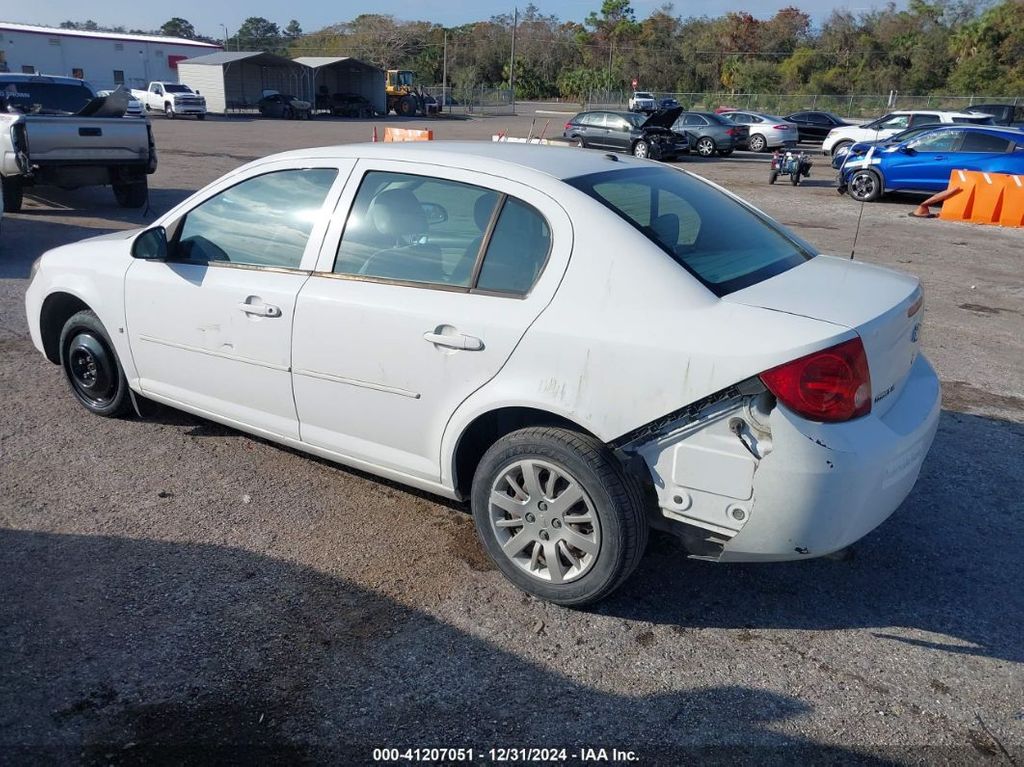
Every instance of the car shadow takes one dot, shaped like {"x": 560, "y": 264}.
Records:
{"x": 940, "y": 573}
{"x": 126, "y": 651}
{"x": 932, "y": 568}
{"x": 99, "y": 203}
{"x": 27, "y": 236}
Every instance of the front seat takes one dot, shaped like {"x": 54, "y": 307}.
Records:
{"x": 398, "y": 217}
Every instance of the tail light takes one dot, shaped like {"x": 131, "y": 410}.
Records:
{"x": 780, "y": 127}
{"x": 831, "y": 385}
{"x": 567, "y": 126}
{"x": 731, "y": 131}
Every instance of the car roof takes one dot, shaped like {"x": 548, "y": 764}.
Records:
{"x": 930, "y": 112}
{"x": 19, "y": 77}
{"x": 491, "y": 157}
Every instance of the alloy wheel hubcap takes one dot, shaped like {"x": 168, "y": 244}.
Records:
{"x": 640, "y": 150}
{"x": 863, "y": 185}
{"x": 705, "y": 147}
{"x": 544, "y": 521}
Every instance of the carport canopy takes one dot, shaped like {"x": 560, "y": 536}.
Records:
{"x": 327, "y": 75}
{"x": 237, "y": 79}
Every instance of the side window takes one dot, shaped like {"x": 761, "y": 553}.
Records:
{"x": 517, "y": 251}
{"x": 894, "y": 122}
{"x": 976, "y": 141}
{"x": 590, "y": 118}
{"x": 262, "y": 221}
{"x": 937, "y": 141}
{"x": 923, "y": 119}
{"x": 618, "y": 124}
{"x": 415, "y": 229}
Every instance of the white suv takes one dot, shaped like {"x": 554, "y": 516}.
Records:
{"x": 893, "y": 123}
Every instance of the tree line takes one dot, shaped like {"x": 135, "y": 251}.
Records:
{"x": 942, "y": 47}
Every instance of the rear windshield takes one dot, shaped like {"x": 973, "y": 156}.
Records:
{"x": 979, "y": 120}
{"x": 44, "y": 97}
{"x": 721, "y": 242}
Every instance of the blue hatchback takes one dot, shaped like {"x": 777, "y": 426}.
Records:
{"x": 923, "y": 163}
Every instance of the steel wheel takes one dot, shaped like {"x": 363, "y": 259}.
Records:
{"x": 641, "y": 149}
{"x": 865, "y": 186}
{"x": 544, "y": 521}
{"x": 757, "y": 143}
{"x": 706, "y": 147}
{"x": 91, "y": 369}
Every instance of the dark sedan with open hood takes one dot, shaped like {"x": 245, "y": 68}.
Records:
{"x": 641, "y": 135}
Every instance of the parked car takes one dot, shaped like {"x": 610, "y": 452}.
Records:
{"x": 924, "y": 163}
{"x": 1007, "y": 115}
{"x": 350, "y": 105}
{"x": 500, "y": 323}
{"x": 641, "y": 135}
{"x": 764, "y": 131}
{"x": 135, "y": 108}
{"x": 54, "y": 131}
{"x": 893, "y": 123}
{"x": 284, "y": 106}
{"x": 667, "y": 103}
{"x": 840, "y": 156}
{"x": 709, "y": 133}
{"x": 642, "y": 101}
{"x": 173, "y": 99}
{"x": 815, "y": 126}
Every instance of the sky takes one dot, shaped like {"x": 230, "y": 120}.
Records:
{"x": 208, "y": 17}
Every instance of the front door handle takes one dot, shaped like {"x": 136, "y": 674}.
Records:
{"x": 261, "y": 310}
{"x": 454, "y": 341}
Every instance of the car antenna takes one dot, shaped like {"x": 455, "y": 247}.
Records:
{"x": 860, "y": 215}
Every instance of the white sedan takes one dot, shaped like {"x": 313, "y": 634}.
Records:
{"x": 584, "y": 346}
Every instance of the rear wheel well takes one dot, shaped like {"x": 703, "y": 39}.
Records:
{"x": 57, "y": 310}
{"x": 488, "y": 428}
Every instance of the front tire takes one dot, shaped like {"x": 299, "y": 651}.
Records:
{"x": 558, "y": 514}
{"x": 865, "y": 186}
{"x": 642, "y": 150}
{"x": 706, "y": 146}
{"x": 201, "y": 117}
{"x": 13, "y": 189}
{"x": 757, "y": 143}
{"x": 92, "y": 368}
{"x": 840, "y": 145}
{"x": 168, "y": 111}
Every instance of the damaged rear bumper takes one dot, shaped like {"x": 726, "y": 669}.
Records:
{"x": 752, "y": 485}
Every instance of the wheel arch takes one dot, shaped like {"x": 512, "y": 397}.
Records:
{"x": 57, "y": 309}
{"x": 484, "y": 429}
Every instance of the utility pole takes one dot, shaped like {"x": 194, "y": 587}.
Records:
{"x": 512, "y": 60}
{"x": 444, "y": 73}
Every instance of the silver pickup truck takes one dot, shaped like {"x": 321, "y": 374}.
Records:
{"x": 54, "y": 131}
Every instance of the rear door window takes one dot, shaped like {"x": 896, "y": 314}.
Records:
{"x": 923, "y": 119}
{"x": 723, "y": 243}
{"x": 976, "y": 141}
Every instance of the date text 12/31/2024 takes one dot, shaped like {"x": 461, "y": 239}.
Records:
{"x": 513, "y": 754}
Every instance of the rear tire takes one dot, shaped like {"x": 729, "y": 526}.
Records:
{"x": 13, "y": 193}
{"x": 642, "y": 150}
{"x": 571, "y": 504}
{"x": 757, "y": 143}
{"x": 706, "y": 146}
{"x": 92, "y": 368}
{"x": 131, "y": 195}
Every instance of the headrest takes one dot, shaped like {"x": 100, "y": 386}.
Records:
{"x": 397, "y": 213}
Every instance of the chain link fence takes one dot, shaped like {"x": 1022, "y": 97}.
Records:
{"x": 856, "y": 105}
{"x": 476, "y": 100}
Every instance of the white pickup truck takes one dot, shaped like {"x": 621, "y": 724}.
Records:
{"x": 172, "y": 99}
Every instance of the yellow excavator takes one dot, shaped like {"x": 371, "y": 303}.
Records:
{"x": 404, "y": 98}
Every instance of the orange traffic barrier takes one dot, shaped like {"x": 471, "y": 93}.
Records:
{"x": 408, "y": 134}
{"x": 1013, "y": 202}
{"x": 987, "y": 198}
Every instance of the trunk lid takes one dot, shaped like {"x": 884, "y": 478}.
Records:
{"x": 881, "y": 305}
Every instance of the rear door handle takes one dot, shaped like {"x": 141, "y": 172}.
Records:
{"x": 454, "y": 341}
{"x": 261, "y": 310}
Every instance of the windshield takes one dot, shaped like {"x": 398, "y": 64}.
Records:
{"x": 41, "y": 97}
{"x": 171, "y": 88}
{"x": 644, "y": 95}
{"x": 720, "y": 241}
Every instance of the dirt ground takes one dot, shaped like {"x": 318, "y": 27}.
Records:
{"x": 172, "y": 583}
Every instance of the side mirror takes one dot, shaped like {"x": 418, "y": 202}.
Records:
{"x": 906, "y": 149}
{"x": 436, "y": 214}
{"x": 151, "y": 245}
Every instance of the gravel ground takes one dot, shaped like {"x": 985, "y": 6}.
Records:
{"x": 170, "y": 582}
